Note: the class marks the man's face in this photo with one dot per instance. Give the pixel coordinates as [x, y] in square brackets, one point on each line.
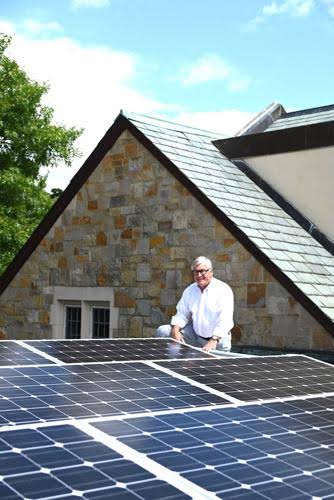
[202, 275]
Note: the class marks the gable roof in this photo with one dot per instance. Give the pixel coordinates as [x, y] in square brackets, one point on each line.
[291, 254]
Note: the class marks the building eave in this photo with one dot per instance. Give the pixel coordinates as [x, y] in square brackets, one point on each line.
[316, 135]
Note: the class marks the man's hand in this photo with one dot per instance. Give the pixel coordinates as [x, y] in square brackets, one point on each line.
[176, 334]
[210, 346]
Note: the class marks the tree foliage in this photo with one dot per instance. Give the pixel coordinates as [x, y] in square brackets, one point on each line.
[28, 141]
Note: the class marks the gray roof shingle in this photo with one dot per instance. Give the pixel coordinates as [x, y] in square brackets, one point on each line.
[300, 118]
[305, 261]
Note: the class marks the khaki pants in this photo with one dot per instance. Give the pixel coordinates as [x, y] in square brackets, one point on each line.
[193, 339]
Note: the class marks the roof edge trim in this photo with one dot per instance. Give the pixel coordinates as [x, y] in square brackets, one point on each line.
[312, 136]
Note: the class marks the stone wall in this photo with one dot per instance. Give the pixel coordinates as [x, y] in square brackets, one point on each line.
[133, 227]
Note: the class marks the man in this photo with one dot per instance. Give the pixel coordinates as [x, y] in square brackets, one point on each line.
[204, 316]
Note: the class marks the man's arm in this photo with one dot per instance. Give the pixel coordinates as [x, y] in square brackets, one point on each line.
[176, 333]
[180, 319]
[210, 346]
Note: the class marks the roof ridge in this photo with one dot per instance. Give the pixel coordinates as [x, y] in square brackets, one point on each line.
[306, 111]
[135, 117]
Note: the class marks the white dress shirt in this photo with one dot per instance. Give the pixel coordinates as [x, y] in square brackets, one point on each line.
[210, 310]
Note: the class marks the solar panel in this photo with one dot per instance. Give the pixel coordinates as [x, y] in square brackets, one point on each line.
[265, 377]
[150, 418]
[64, 462]
[12, 353]
[92, 351]
[33, 394]
[235, 452]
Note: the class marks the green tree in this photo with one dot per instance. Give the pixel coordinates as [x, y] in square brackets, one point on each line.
[28, 141]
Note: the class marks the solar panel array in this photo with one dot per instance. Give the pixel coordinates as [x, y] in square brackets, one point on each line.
[152, 418]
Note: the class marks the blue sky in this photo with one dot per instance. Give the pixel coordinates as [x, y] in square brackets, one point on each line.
[211, 64]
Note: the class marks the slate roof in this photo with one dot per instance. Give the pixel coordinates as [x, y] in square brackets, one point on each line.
[304, 261]
[304, 117]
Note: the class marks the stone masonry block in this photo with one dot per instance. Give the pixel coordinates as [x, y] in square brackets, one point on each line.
[256, 294]
[144, 272]
[168, 297]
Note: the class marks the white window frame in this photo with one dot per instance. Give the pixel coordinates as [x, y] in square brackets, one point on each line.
[87, 298]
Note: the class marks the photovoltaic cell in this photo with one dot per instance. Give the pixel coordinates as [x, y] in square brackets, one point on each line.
[32, 394]
[254, 451]
[90, 351]
[62, 461]
[266, 377]
[12, 353]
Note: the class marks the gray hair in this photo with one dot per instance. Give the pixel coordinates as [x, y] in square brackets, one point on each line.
[201, 260]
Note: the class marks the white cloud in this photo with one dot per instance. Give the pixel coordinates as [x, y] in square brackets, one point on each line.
[37, 28]
[207, 68]
[90, 3]
[226, 122]
[291, 8]
[212, 67]
[330, 6]
[89, 86]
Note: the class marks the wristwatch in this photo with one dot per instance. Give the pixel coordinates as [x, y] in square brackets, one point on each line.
[215, 337]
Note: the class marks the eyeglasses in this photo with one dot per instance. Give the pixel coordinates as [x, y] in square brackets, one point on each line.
[202, 272]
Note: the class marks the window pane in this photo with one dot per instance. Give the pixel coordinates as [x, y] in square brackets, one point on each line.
[101, 321]
[73, 322]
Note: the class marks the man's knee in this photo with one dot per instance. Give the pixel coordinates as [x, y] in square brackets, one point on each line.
[163, 331]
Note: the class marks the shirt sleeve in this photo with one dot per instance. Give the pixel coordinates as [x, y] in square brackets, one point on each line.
[183, 314]
[225, 317]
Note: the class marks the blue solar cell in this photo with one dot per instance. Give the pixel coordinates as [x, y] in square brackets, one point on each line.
[82, 478]
[93, 452]
[275, 467]
[244, 473]
[311, 484]
[65, 434]
[175, 461]
[148, 424]
[151, 490]
[208, 455]
[11, 463]
[26, 438]
[19, 416]
[6, 493]
[211, 480]
[111, 493]
[276, 491]
[145, 444]
[124, 471]
[37, 485]
[53, 456]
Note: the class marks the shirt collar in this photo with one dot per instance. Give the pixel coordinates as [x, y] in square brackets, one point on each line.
[210, 285]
